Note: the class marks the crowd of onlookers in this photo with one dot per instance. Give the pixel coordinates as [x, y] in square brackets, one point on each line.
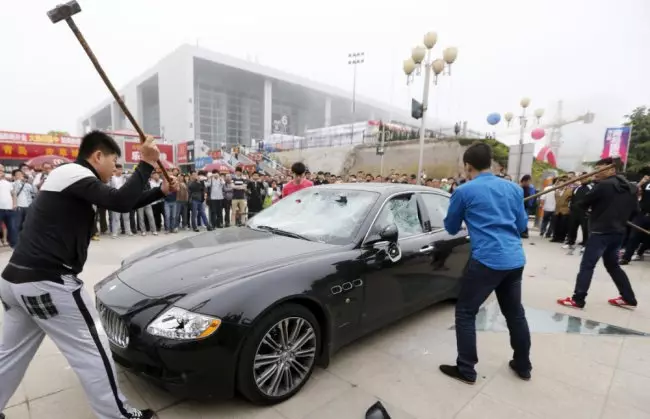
[209, 200]
[17, 191]
[564, 216]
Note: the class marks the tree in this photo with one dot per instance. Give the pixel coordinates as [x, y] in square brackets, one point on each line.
[638, 158]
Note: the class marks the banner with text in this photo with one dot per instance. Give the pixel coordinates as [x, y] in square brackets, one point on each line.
[617, 143]
[27, 151]
[132, 152]
[23, 137]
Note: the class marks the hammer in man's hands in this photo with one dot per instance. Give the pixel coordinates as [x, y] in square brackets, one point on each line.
[65, 12]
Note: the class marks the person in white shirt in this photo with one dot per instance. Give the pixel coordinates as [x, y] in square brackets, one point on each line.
[40, 177]
[8, 207]
[158, 207]
[147, 211]
[24, 193]
[116, 182]
[548, 219]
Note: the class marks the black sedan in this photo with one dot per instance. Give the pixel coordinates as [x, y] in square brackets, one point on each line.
[255, 309]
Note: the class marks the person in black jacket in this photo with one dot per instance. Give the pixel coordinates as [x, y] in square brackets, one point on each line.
[196, 189]
[578, 217]
[612, 201]
[638, 241]
[40, 290]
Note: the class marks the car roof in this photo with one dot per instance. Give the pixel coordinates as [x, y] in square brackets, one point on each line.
[382, 188]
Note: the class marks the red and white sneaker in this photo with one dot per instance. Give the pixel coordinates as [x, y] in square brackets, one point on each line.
[569, 302]
[620, 302]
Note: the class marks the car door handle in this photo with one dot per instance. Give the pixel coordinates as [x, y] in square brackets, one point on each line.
[426, 249]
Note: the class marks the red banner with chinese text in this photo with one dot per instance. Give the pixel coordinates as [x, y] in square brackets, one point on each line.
[181, 153]
[132, 152]
[28, 151]
[22, 137]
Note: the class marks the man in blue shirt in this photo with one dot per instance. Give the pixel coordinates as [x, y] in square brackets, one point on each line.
[493, 210]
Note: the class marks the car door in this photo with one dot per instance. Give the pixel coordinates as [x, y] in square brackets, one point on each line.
[450, 252]
[395, 286]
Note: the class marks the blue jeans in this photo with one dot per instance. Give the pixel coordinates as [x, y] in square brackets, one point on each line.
[197, 212]
[607, 247]
[181, 213]
[170, 215]
[9, 218]
[477, 284]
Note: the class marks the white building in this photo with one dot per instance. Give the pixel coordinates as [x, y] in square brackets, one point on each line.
[194, 93]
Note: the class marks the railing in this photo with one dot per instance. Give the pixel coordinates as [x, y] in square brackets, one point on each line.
[300, 143]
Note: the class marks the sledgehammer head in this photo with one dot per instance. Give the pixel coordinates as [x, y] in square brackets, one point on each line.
[64, 11]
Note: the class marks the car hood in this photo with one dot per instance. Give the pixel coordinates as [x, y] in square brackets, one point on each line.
[212, 258]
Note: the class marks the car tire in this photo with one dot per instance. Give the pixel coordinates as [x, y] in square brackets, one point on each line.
[246, 371]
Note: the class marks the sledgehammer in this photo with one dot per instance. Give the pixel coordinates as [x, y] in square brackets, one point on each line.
[65, 12]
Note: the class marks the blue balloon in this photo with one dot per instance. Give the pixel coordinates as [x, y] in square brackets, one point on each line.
[493, 118]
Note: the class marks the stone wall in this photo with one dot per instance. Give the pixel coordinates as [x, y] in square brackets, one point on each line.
[441, 158]
[326, 159]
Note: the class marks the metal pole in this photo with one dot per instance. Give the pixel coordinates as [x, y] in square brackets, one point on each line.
[522, 124]
[425, 102]
[354, 104]
[383, 151]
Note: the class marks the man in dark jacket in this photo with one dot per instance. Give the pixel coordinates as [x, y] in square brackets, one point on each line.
[40, 291]
[578, 216]
[639, 241]
[612, 202]
[530, 205]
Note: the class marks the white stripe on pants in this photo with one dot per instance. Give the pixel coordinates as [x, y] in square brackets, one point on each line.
[115, 223]
[75, 330]
[148, 211]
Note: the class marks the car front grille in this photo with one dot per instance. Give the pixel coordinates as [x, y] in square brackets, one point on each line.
[113, 325]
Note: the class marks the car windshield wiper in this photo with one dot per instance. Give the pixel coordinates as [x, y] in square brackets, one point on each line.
[281, 232]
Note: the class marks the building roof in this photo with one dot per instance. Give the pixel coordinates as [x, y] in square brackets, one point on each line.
[256, 68]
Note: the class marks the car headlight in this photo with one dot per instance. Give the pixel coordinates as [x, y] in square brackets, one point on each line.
[177, 323]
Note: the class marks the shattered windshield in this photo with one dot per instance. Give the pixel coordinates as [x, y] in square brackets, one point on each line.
[325, 215]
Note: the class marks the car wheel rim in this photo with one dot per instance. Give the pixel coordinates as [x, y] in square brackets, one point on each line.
[284, 357]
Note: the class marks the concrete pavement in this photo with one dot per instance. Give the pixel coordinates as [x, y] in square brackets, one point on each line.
[575, 375]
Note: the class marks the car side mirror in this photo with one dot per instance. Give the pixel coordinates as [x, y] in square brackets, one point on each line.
[390, 233]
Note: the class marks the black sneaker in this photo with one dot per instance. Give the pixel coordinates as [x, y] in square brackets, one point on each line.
[623, 262]
[523, 375]
[452, 371]
[2, 416]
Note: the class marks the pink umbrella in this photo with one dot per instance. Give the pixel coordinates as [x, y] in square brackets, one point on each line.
[220, 166]
[38, 162]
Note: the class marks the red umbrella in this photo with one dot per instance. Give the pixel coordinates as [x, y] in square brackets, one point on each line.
[220, 166]
[38, 162]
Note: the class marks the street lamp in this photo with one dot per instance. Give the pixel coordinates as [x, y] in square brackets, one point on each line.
[523, 121]
[421, 61]
[354, 58]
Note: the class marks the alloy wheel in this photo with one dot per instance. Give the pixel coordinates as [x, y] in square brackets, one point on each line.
[284, 357]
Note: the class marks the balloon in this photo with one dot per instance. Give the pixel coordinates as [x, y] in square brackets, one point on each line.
[537, 133]
[493, 118]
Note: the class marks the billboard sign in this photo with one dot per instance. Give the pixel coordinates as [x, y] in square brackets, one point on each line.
[616, 143]
[27, 151]
[132, 152]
